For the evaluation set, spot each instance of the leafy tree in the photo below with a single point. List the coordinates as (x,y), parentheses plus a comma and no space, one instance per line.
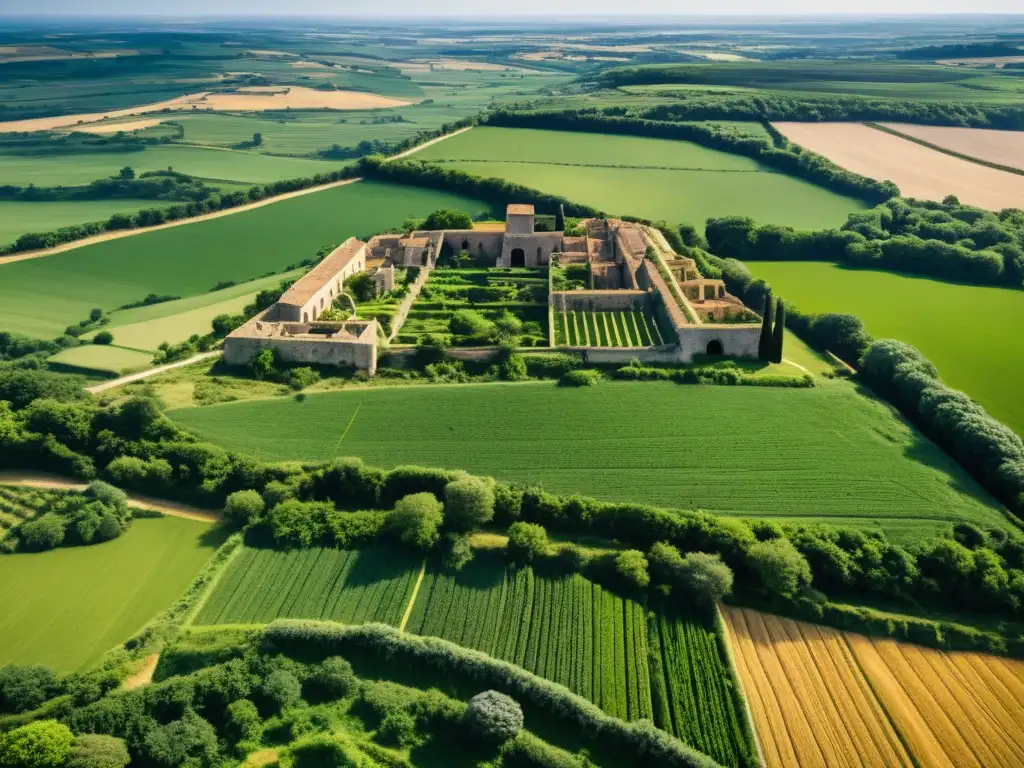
(126,174)
(93,750)
(24,687)
(560,219)
(458,551)
(39,744)
(44,532)
(446,218)
(416,520)
(494,717)
(398,728)
(334,677)
(777,334)
(263,365)
(243,721)
(190,740)
(469,503)
(95,315)
(257,139)
(779,568)
(705,578)
(109,527)
(631,569)
(283,689)
(103,338)
(527,542)
(244,506)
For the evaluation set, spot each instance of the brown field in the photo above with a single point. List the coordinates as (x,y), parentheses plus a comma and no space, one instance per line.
(992,61)
(10,53)
(918,171)
(823,697)
(1002,147)
(256,99)
(131,125)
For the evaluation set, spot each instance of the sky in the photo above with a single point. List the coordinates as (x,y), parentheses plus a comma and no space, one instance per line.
(505,8)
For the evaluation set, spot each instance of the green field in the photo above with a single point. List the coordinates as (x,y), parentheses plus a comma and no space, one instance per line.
(202,162)
(812,453)
(65,608)
(606,329)
(261,585)
(671,180)
(18,218)
(968,331)
(40,297)
(103,359)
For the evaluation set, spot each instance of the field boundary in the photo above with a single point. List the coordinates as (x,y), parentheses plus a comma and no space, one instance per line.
(945,150)
(737,679)
(412,598)
(222,568)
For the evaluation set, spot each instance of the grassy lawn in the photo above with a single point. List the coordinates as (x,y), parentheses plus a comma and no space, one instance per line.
(676,180)
(968,331)
(814,453)
(204,162)
(65,608)
(40,297)
(103,359)
(18,218)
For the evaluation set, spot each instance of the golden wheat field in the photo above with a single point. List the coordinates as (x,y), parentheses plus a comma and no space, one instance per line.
(821,697)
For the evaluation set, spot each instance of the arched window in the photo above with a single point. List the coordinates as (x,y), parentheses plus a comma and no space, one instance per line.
(465,245)
(539,252)
(305,317)
(321,302)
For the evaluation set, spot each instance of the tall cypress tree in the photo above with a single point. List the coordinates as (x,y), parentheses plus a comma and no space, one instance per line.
(780,324)
(560,219)
(764,344)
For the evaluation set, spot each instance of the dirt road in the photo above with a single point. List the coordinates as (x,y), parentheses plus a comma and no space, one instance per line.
(105,385)
(46,480)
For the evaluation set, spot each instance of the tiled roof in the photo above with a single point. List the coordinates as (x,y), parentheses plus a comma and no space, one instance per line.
(519,209)
(306,286)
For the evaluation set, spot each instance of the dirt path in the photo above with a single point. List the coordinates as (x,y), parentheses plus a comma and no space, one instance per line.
(144,675)
(104,386)
(46,480)
(412,599)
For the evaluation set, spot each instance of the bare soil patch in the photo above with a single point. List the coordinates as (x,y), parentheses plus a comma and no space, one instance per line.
(142,676)
(918,171)
(131,125)
(1002,147)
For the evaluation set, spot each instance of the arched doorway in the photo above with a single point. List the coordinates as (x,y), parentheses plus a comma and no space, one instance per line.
(305,317)
(518,257)
(715,347)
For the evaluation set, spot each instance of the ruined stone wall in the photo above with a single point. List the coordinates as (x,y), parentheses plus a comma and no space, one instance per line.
(398,319)
(598,301)
(537,248)
(736,340)
(321,301)
(479,245)
(668,354)
(357,353)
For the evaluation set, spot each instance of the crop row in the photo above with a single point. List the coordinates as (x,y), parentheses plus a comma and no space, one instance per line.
(606,329)
(566,629)
(20,504)
(261,585)
(693,698)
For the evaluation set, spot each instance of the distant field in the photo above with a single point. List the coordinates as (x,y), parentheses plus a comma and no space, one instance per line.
(103,359)
(1001,147)
(972,339)
(18,218)
(40,297)
(671,180)
(918,171)
(818,695)
(203,162)
(750,451)
(67,607)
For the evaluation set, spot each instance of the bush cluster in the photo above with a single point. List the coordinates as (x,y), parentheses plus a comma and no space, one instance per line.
(100,514)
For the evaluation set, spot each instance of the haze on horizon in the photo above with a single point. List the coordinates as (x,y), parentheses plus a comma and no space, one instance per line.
(502,8)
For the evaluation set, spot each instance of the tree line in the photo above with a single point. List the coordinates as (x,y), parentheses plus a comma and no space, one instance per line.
(946,240)
(132,443)
(789,158)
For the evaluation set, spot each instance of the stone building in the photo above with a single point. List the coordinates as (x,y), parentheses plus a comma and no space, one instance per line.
(291,327)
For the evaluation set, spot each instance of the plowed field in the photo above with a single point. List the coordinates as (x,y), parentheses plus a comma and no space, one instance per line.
(823,697)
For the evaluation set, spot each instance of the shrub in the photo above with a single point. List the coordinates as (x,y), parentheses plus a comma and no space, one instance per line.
(44,532)
(190,740)
(447,218)
(398,728)
(416,519)
(779,568)
(300,378)
(108,494)
(705,578)
(283,689)
(458,551)
(263,365)
(334,677)
(103,337)
(631,569)
(243,721)
(93,750)
(580,378)
(527,542)
(494,717)
(244,506)
(133,472)
(469,503)
(110,527)
(24,687)
(40,744)
(467,322)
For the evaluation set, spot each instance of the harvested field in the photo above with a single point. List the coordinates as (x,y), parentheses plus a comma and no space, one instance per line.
(256,99)
(918,171)
(1002,147)
(131,125)
(824,697)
